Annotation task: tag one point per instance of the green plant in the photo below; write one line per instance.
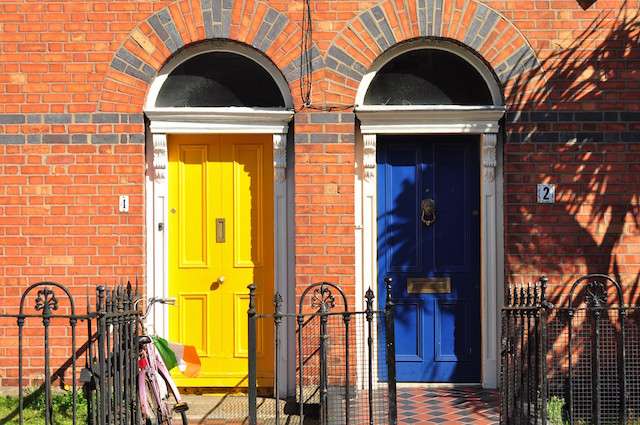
(61, 402)
(555, 409)
(556, 414)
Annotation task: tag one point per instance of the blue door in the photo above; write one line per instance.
(428, 242)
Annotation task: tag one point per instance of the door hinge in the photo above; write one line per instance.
(160, 227)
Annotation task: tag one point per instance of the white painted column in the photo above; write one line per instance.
(489, 262)
(280, 211)
(158, 284)
(280, 252)
(369, 222)
(369, 237)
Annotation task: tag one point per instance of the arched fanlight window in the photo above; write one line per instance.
(219, 79)
(428, 77)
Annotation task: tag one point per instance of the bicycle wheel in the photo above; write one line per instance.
(164, 408)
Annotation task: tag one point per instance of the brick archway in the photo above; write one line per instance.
(480, 28)
(148, 46)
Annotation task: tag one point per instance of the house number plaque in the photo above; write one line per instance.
(429, 285)
(546, 193)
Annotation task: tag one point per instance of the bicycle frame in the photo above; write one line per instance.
(152, 367)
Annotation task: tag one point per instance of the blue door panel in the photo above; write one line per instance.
(437, 334)
(450, 320)
(401, 223)
(451, 227)
(409, 326)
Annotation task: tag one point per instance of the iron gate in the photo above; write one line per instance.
(572, 364)
(108, 376)
(345, 371)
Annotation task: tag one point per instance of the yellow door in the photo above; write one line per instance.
(220, 240)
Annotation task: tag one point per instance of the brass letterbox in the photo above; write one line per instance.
(429, 285)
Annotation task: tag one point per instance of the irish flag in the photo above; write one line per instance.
(185, 357)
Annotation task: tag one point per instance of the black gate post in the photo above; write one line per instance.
(277, 320)
(20, 372)
(253, 390)
(391, 352)
(346, 318)
(73, 320)
(621, 364)
(542, 360)
(369, 316)
(595, 361)
(324, 336)
(45, 302)
(102, 328)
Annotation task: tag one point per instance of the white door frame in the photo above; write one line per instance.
(218, 120)
(438, 120)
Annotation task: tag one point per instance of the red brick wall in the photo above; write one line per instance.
(324, 198)
(74, 76)
(59, 215)
(592, 228)
(59, 222)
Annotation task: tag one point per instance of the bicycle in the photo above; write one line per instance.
(155, 385)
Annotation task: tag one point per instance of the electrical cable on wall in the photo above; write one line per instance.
(306, 64)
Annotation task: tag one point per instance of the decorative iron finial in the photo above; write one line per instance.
(543, 293)
(369, 301)
(46, 301)
(388, 283)
(596, 294)
(277, 305)
(100, 299)
(323, 299)
(252, 298)
(543, 288)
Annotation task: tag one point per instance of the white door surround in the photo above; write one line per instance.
(437, 119)
(217, 120)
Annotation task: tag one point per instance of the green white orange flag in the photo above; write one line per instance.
(185, 357)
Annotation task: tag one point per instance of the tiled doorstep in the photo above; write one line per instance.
(447, 406)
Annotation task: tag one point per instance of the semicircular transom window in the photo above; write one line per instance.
(428, 77)
(218, 79)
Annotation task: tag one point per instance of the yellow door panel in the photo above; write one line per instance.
(195, 331)
(247, 214)
(192, 204)
(220, 240)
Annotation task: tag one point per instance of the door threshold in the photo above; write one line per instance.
(436, 385)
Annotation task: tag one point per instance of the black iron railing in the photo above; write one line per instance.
(570, 364)
(345, 359)
(108, 378)
(523, 370)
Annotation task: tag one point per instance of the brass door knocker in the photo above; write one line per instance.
(428, 207)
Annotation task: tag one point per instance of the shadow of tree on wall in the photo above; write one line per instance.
(578, 125)
(576, 128)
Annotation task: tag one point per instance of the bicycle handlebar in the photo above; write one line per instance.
(153, 300)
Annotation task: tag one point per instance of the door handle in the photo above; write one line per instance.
(220, 230)
(428, 207)
(216, 283)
